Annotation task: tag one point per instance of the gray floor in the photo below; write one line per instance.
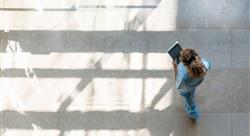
(94, 67)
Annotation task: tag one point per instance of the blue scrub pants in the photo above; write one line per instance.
(189, 102)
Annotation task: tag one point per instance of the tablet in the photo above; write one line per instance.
(174, 51)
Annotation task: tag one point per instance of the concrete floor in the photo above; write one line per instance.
(100, 67)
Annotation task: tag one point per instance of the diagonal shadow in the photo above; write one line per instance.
(164, 89)
(78, 89)
(141, 16)
(82, 84)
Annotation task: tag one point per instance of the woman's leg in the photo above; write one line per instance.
(190, 105)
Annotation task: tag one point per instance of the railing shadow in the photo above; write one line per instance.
(153, 121)
(73, 42)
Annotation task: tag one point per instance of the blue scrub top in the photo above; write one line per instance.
(184, 82)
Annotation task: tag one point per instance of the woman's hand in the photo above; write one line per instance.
(175, 69)
(174, 64)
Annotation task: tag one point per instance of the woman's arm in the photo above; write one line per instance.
(175, 69)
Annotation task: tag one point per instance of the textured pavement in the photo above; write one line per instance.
(100, 68)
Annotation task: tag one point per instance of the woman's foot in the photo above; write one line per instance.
(193, 114)
(190, 107)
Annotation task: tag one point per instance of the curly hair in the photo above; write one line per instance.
(192, 61)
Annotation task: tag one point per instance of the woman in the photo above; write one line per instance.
(189, 73)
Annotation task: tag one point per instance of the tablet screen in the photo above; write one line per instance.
(174, 50)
